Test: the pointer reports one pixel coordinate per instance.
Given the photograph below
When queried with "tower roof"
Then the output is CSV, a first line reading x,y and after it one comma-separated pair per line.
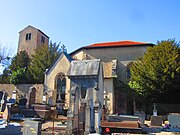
x,y
34,28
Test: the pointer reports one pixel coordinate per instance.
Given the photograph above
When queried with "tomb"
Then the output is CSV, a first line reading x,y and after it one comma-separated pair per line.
x,y
86,97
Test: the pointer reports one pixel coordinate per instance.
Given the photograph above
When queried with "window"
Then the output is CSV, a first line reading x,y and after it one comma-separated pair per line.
x,y
28,36
61,87
42,39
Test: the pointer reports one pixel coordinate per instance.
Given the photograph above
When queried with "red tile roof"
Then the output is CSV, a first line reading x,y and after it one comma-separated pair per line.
x,y
117,43
113,44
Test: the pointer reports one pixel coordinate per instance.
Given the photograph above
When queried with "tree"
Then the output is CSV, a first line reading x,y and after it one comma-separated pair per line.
x,y
21,60
44,56
156,75
18,76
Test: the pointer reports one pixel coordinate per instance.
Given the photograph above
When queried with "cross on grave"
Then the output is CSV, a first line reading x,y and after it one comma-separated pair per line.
x,y
106,101
154,109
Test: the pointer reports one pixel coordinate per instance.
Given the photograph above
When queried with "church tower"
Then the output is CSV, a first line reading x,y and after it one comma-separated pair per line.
x,y
30,38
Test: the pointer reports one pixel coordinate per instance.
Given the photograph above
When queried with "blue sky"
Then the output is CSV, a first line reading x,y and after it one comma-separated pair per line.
x,y
77,23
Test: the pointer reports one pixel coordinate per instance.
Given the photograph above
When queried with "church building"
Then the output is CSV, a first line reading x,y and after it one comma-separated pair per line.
x,y
116,58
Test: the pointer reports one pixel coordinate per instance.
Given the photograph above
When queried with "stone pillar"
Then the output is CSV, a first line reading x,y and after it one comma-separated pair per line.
x,y
82,111
87,117
73,111
70,117
98,114
69,128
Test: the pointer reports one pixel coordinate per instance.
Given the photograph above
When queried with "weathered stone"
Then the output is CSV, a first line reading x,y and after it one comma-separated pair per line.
x,y
174,120
30,43
156,120
31,97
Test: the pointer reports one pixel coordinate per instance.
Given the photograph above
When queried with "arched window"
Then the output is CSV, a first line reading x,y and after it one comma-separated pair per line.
x,y
61,87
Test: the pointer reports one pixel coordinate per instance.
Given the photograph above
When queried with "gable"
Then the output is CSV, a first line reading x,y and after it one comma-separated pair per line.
x,y
34,29
61,63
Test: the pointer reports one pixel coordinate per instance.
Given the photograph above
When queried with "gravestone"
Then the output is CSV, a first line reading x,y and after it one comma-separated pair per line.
x,y
141,115
72,114
32,127
174,120
3,100
31,97
156,120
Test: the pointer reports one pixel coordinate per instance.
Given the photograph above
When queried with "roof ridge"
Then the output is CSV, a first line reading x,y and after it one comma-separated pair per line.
x,y
120,42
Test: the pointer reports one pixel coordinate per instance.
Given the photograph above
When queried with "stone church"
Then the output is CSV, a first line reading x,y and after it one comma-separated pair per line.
x,y
116,58
81,82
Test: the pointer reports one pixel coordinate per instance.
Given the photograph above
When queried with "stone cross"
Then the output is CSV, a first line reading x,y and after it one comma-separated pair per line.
x,y
154,110
106,101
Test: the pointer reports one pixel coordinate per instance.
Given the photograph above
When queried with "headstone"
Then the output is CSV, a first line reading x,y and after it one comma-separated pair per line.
x,y
31,97
156,120
3,98
32,127
22,101
141,115
174,120
14,94
72,114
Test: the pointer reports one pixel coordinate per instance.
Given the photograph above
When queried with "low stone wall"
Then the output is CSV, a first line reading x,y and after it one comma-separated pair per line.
x,y
23,90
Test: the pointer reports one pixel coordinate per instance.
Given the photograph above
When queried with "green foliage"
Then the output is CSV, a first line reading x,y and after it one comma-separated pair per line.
x,y
134,85
44,56
156,75
21,60
18,76
11,74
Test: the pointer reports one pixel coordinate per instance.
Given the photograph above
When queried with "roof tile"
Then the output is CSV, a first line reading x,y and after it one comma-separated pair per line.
x,y
117,43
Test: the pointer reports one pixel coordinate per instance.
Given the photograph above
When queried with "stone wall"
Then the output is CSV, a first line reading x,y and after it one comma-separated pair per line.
x,y
23,90
123,55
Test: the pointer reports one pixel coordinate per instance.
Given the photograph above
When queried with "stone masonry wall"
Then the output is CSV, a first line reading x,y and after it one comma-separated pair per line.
x,y
23,90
